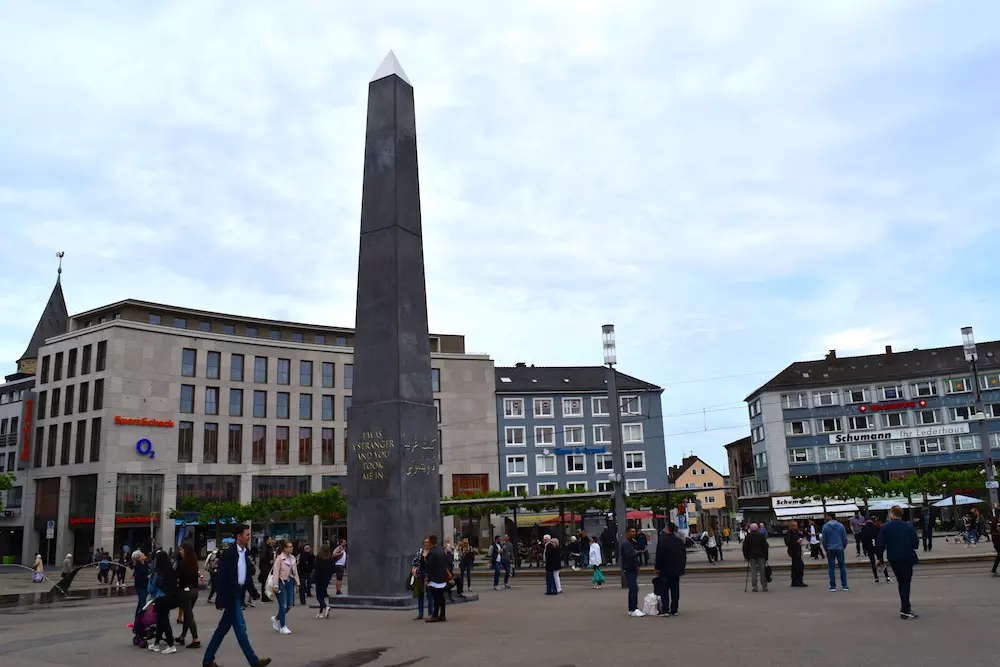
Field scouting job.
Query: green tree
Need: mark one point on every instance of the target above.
(860, 487)
(6, 484)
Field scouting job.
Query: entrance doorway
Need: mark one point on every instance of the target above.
(11, 541)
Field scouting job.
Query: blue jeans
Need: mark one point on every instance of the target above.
(838, 556)
(497, 567)
(286, 598)
(550, 583)
(632, 577)
(232, 619)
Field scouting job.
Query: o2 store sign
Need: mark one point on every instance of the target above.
(900, 434)
(144, 447)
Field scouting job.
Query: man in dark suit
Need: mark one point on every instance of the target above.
(266, 561)
(899, 540)
(230, 584)
(671, 559)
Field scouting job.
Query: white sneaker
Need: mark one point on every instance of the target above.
(169, 649)
(638, 613)
(285, 630)
(155, 648)
(274, 623)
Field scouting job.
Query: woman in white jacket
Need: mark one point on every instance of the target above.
(595, 563)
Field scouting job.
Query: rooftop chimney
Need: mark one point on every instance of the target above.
(520, 364)
(832, 356)
(888, 353)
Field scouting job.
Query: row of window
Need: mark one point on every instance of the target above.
(58, 365)
(581, 487)
(704, 485)
(66, 399)
(260, 405)
(71, 445)
(6, 423)
(888, 420)
(889, 392)
(250, 332)
(754, 487)
(575, 464)
(13, 498)
(11, 396)
(543, 408)
(870, 450)
(545, 436)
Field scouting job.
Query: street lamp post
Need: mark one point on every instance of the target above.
(971, 356)
(618, 452)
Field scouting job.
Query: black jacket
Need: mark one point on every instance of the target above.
(306, 563)
(629, 557)
(899, 540)
(553, 559)
(869, 535)
(792, 538)
(755, 546)
(324, 569)
(186, 578)
(227, 587)
(266, 561)
(671, 555)
(436, 568)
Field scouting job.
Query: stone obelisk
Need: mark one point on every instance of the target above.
(393, 478)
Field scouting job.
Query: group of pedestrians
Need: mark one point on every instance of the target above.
(431, 577)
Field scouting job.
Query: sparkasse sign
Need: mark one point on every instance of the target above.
(931, 431)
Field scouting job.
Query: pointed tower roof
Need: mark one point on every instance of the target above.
(53, 322)
(389, 67)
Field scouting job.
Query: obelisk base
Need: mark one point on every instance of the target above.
(385, 603)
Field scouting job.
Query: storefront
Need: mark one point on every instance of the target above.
(46, 524)
(787, 509)
(11, 541)
(267, 487)
(82, 510)
(137, 507)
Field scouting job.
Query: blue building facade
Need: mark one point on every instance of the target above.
(553, 430)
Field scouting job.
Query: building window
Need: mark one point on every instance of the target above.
(576, 487)
(513, 408)
(894, 419)
(709, 500)
(260, 370)
(829, 425)
(188, 358)
(963, 413)
(754, 408)
(640, 485)
(517, 465)
(542, 407)
(284, 371)
(44, 376)
(637, 461)
(260, 404)
(210, 446)
(862, 423)
(965, 443)
(792, 401)
(898, 448)
(39, 446)
(281, 449)
(993, 410)
(81, 441)
(204, 326)
(630, 405)
(229, 329)
(890, 393)
(340, 341)
(518, 490)
(856, 395)
(573, 436)
(187, 398)
(212, 365)
(102, 356)
(236, 368)
(547, 487)
(211, 400)
(67, 437)
(305, 406)
(70, 400)
(631, 432)
(154, 318)
(757, 433)
(50, 457)
(760, 460)
(298, 338)
(235, 402)
(514, 436)
(867, 450)
(274, 334)
(602, 434)
(41, 404)
(327, 408)
(326, 447)
(797, 428)
(824, 398)
(235, 444)
(57, 369)
(328, 374)
(994, 440)
(576, 464)
(437, 409)
(603, 463)
(185, 442)
(85, 361)
(991, 381)
(599, 406)
(800, 455)
(71, 364)
(305, 373)
(545, 436)
(928, 417)
(960, 386)
(56, 398)
(832, 453)
(572, 407)
(305, 445)
(545, 464)
(95, 439)
(605, 487)
(435, 380)
(348, 376)
(252, 332)
(347, 407)
(920, 389)
(930, 446)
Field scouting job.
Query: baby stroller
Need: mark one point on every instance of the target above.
(144, 627)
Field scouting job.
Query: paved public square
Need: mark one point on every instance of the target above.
(581, 627)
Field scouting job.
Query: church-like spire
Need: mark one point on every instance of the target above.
(53, 322)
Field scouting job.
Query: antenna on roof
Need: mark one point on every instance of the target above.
(60, 255)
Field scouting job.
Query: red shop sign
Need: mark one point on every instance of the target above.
(135, 519)
(81, 520)
(144, 421)
(899, 405)
(29, 413)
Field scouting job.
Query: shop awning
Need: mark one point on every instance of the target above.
(809, 511)
(527, 519)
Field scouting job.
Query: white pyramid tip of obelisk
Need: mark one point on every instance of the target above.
(389, 67)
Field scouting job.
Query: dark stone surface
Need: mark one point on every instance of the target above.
(393, 486)
(379, 602)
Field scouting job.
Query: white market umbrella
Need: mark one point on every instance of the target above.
(884, 505)
(959, 500)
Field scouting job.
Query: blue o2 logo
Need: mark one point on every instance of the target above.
(145, 448)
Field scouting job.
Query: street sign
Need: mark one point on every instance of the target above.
(993, 484)
(50, 525)
(50, 530)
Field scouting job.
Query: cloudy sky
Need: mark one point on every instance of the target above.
(736, 186)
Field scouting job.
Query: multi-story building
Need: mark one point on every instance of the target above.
(554, 433)
(890, 414)
(705, 484)
(140, 404)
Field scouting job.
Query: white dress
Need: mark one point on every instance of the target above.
(595, 554)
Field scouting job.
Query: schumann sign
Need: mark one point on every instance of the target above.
(931, 431)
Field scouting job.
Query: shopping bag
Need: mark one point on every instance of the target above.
(651, 604)
(269, 583)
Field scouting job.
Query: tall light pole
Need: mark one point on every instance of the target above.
(971, 356)
(618, 451)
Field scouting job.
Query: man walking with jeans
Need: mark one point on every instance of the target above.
(835, 542)
(899, 539)
(671, 559)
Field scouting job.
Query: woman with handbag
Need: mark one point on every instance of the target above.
(595, 562)
(283, 579)
(163, 593)
(187, 582)
(39, 569)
